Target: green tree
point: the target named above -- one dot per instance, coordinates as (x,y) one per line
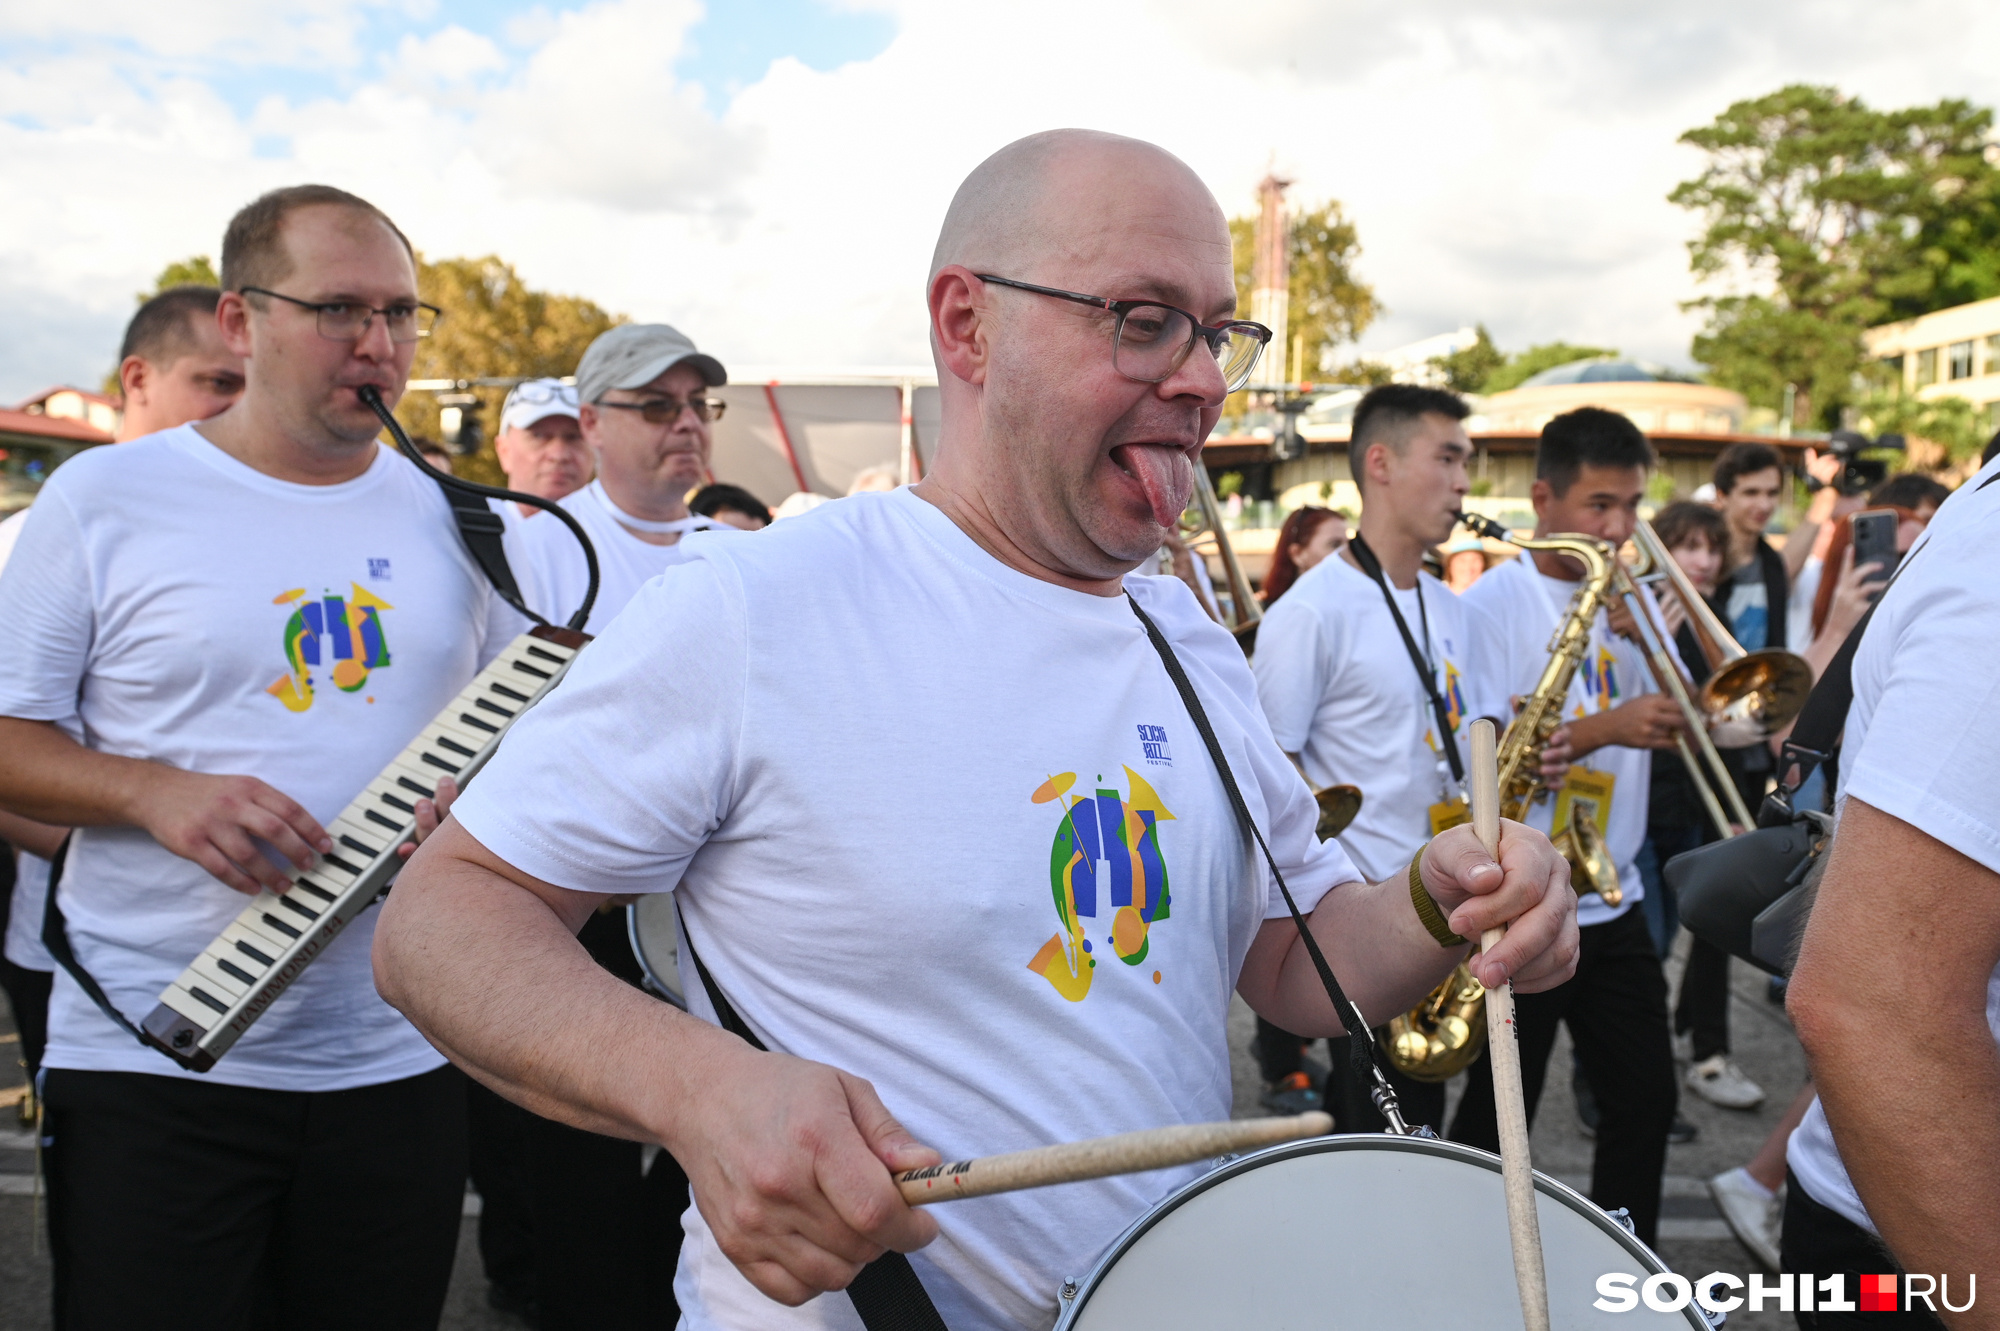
(1834,216)
(1525,365)
(494,326)
(1952,423)
(194,271)
(1467,371)
(1330,305)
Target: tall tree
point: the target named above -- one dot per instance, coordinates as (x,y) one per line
(1330,305)
(1828,216)
(494,326)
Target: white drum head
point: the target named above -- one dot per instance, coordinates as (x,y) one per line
(656,941)
(1371,1233)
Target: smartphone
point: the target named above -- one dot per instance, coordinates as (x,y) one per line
(1875,542)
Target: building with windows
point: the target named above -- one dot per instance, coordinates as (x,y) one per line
(1949,353)
(41,434)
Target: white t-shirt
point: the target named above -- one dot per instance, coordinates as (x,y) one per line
(1922,741)
(193,611)
(1799,606)
(551,567)
(1340,690)
(877,765)
(23,945)
(1514,611)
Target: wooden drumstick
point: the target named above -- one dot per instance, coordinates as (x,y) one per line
(1517,1170)
(1101,1157)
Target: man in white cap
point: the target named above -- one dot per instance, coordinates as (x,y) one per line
(541,446)
(644,405)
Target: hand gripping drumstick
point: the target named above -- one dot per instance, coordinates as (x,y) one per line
(1517,1171)
(1101,1157)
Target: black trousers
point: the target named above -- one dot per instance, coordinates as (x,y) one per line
(1616,1011)
(1279,1052)
(1702,1011)
(186,1204)
(498,1134)
(1821,1240)
(607,1236)
(1353,1107)
(28,994)
(569,1218)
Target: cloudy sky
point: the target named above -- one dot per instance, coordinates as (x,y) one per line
(769,174)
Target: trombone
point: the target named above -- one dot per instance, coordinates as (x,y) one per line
(1339,804)
(1204,518)
(1747,697)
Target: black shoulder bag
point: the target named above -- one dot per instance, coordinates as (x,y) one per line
(1750,895)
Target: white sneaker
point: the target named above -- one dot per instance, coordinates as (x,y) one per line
(1720,1082)
(1754,1213)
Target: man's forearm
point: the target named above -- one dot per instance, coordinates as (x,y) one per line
(1588,734)
(495,978)
(50,778)
(1889,998)
(1379,951)
(27,834)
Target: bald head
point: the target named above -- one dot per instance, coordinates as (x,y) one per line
(1064,193)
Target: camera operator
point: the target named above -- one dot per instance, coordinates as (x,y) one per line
(1896,994)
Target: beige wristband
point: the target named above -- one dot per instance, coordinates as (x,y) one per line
(1427,908)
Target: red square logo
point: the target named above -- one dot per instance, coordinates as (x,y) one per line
(1878,1294)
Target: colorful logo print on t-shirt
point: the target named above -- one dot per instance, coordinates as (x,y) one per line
(345,633)
(1105,858)
(1600,681)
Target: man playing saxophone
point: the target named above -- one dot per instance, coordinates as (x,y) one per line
(1590,473)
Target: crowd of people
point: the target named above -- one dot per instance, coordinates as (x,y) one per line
(760,704)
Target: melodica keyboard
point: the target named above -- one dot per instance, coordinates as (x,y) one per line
(238,976)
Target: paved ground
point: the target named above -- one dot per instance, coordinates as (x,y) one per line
(1693,1238)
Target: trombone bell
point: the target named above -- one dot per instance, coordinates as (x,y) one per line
(1757,695)
(1338,806)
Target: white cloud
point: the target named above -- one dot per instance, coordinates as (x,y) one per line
(1507,166)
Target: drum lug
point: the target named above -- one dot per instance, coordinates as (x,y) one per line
(1068,1291)
(1624,1219)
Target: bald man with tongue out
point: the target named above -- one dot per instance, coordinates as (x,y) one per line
(936,821)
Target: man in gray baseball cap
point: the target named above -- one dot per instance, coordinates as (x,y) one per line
(631,356)
(642,398)
(645,406)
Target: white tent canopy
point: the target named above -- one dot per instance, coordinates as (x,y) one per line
(789,429)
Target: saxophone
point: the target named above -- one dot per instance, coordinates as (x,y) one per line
(1442,1035)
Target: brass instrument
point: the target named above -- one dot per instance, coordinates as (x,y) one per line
(1749,696)
(1442,1035)
(1591,866)
(1206,513)
(1338,806)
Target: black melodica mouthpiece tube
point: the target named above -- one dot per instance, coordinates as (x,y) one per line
(372,398)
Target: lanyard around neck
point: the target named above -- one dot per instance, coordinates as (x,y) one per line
(693,522)
(1420,660)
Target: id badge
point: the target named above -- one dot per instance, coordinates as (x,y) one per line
(1450,813)
(1585,791)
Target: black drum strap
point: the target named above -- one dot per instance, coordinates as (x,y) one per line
(887,1294)
(1361,1048)
(55,937)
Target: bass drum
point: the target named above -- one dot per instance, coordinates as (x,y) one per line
(654,926)
(1364,1232)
